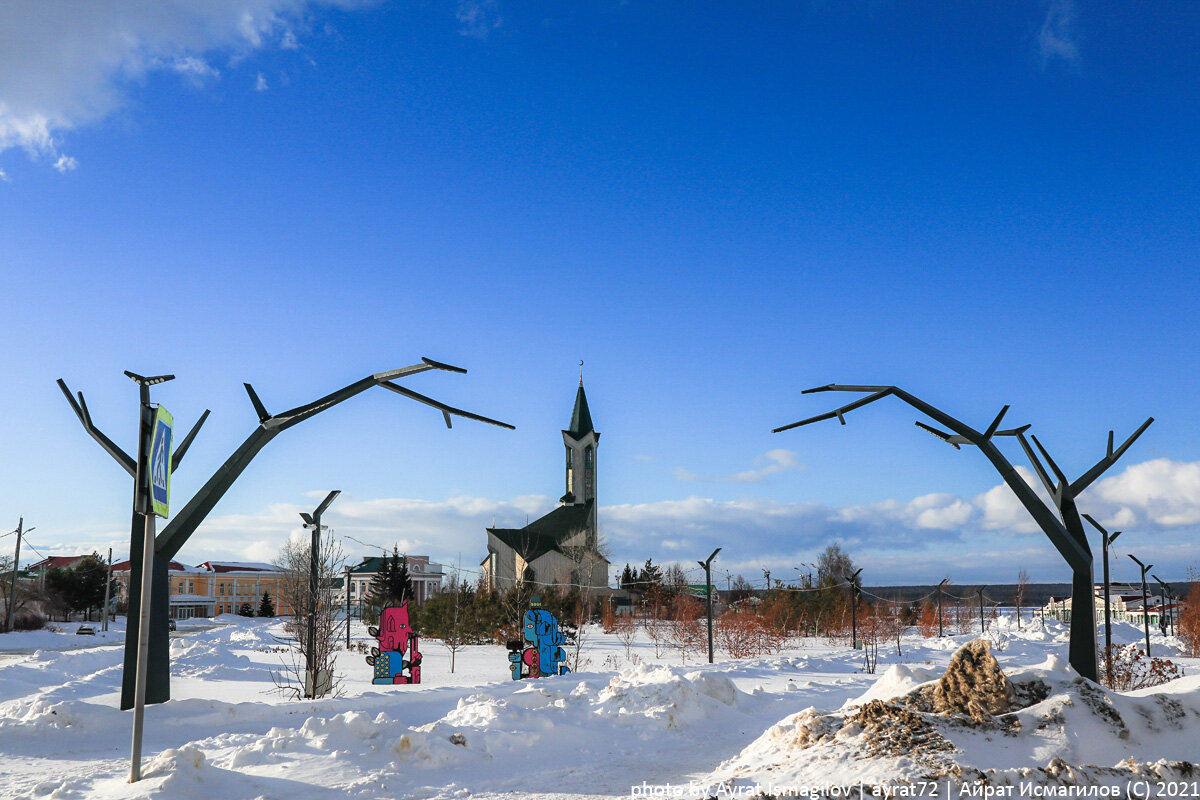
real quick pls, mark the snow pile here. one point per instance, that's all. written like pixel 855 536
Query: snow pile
pixel 1042 724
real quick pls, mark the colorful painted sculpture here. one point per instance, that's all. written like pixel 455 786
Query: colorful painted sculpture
pixel 540 654
pixel 396 640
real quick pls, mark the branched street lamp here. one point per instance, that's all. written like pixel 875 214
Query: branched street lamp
pixel 1145 601
pixel 176 533
pixel 1065 530
pixel 1106 540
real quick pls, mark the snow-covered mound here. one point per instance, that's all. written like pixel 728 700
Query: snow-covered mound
pixel 1042 724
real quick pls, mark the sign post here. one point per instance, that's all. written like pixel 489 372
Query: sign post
pixel 153 482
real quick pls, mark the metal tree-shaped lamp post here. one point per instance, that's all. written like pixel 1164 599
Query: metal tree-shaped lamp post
pixel 707 564
pixel 1065 530
pixel 1106 540
pixel 1165 617
pixel 1145 601
pixel 184 524
pixel 314 558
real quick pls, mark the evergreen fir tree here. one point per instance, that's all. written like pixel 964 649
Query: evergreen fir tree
pixel 628 578
pixel 377 592
pixel 266 608
pixel 400 586
pixel 246 610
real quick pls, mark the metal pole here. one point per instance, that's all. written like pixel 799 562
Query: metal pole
pixel 707 564
pixel 982 627
pixel 854 609
pixel 107 589
pixel 12 590
pixel 143 635
pixel 939 590
pixel 1145 602
pixel 347 608
pixel 310 656
pixel 1108 540
pixel 311 664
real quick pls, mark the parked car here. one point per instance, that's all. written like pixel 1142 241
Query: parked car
pixel 171 625
pixel 85 630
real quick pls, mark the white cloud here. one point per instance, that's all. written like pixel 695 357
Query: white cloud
pixel 260 83
pixel 1057 37
pixel 478 18
pixel 1156 503
pixel 4 176
pixel 65 65
pixel 770 463
pixel 65 164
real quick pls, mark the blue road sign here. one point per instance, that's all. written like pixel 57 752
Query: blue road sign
pixel 160 462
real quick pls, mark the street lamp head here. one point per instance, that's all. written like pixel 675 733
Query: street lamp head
pixel 151 381
pixel 308 520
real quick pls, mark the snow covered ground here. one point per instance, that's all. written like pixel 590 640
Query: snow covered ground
pixel 640 726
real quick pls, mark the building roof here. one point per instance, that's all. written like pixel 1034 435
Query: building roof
pixel 172 566
pixel 237 566
pixel 55 562
pixel 418 566
pixel 546 533
pixel 581 416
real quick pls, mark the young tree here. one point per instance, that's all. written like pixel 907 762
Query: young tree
pixel 295 591
pixel 266 607
pixel 246 610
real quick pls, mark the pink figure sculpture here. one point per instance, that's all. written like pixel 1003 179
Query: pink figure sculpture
pixel 396 639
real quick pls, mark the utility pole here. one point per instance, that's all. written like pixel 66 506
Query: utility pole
pixel 939 591
pixel 12 589
pixel 310 657
pixel 1145 601
pixel 767 575
pixel 707 564
pixel 107 590
pixel 852 579
pixel 982 626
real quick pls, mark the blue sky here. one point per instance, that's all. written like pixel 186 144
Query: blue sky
pixel 715 205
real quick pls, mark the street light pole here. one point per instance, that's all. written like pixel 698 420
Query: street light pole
pixel 1107 540
pixel 1165 616
pixel 707 564
pixel 347 608
pixel 310 657
pixel 1145 601
pixel 107 588
pixel 982 626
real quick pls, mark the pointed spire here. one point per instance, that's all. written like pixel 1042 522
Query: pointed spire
pixel 581 417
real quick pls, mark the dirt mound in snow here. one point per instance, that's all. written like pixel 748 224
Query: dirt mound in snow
pixel 894 731
pixel 973 684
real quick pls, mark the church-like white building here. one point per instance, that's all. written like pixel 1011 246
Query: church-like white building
pixel 561 547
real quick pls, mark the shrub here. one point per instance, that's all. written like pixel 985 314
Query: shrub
pixel 1131 669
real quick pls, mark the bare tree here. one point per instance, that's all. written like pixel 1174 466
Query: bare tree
pixel 294 592
pixel 584 561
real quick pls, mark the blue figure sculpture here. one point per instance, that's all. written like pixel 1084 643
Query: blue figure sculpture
pixel 540 654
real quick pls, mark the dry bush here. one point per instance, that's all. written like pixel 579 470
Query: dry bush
pixel 746 635
pixel 1188 624
pixel 685 631
pixel 1130 669
pixel 608 617
pixel 624 628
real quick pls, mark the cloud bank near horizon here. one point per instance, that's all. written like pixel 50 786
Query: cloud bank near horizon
pixel 983 538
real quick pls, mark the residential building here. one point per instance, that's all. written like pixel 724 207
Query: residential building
pixel 212 588
pixel 426 579
pixel 562 546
